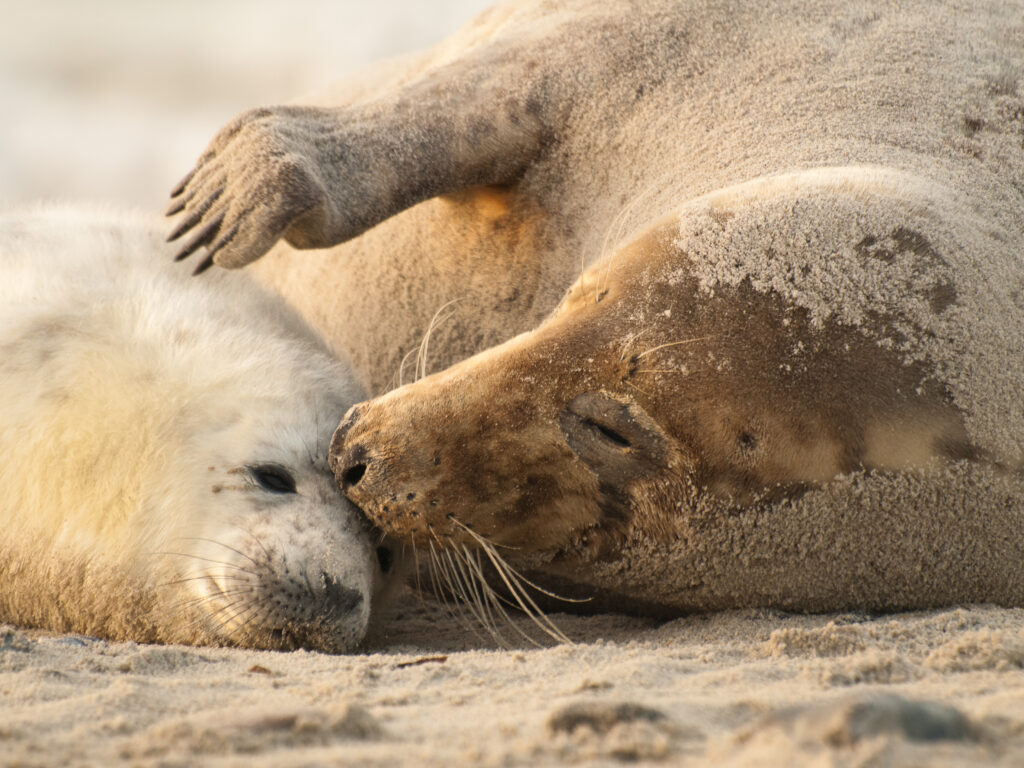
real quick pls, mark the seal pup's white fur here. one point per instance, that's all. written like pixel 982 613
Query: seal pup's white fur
pixel 151 427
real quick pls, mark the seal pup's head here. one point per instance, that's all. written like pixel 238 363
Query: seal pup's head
pixel 164 443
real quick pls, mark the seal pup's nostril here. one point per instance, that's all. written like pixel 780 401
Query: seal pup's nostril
pixel 340 600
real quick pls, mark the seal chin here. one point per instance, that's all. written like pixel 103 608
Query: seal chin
pixel 273 605
pixel 271 582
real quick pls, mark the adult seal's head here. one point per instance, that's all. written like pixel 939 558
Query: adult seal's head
pixel 713 420
pixel 164 442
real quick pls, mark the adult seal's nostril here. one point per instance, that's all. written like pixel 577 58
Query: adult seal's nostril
pixel 348 464
pixel 352 415
pixel 351 475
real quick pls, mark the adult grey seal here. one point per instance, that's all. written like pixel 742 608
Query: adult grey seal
pixel 767 257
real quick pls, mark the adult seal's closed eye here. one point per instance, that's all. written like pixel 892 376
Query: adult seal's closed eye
pixel 164 446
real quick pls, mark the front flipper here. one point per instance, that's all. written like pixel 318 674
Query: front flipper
pixel 319 176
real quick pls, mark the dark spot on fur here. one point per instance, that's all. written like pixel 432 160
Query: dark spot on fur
pixel 902 240
pixel 908 240
pixel 866 247
pixel 216 488
pixel 956 448
pixel 534 107
pixel 972 125
pixel 941 297
pixel 625 369
pixel 747 443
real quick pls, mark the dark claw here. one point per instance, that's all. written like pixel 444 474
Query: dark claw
pixel 180 186
pixel 223 240
pixel 184 226
pixel 204 265
pixel 175 206
pixel 201 238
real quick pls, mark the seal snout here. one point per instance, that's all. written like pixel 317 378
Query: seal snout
pixel 349 467
pixel 347 462
pixel 339 601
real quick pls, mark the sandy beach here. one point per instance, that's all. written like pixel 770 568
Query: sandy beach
pixel 112 101
pixel 748 688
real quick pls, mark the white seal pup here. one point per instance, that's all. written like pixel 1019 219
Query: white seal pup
pixel 164 447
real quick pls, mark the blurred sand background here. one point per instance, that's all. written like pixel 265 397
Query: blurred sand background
pixel 112 100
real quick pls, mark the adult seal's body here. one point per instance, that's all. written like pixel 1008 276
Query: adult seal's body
pixel 164 450
pixel 784 241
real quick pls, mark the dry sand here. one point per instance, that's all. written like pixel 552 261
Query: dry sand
pixel 742 688
pixel 113 103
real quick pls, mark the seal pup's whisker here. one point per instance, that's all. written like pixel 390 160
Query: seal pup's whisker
pixel 208 560
pixel 243 618
pixel 205 620
pixel 227 620
pixel 226 546
pixel 194 602
pixel 259 542
pixel 199 578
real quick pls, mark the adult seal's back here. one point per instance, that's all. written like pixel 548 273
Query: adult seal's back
pixel 164 447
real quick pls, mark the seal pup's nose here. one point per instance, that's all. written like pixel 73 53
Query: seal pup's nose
pixel 339 600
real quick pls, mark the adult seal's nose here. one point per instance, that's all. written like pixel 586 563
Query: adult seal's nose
pixel 348 463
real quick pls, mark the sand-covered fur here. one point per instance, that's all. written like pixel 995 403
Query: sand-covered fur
pixel 788 365
pixel 164 446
